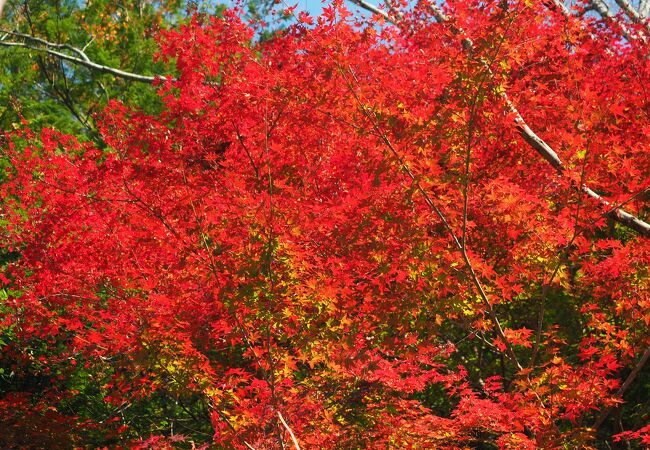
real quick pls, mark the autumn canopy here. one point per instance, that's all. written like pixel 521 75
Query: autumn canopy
pixel 424 229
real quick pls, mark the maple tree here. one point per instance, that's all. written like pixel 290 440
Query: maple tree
pixel 427 233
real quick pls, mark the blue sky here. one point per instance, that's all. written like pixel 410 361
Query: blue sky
pixel 313 7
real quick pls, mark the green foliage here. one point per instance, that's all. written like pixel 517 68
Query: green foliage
pixel 50 92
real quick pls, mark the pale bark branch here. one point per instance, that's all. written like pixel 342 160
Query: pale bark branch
pixel 557 4
pixel 373 9
pixel 394 11
pixel 286 425
pixel 619 215
pixel 603 10
pixel 630 11
pixel 633 14
pixel 644 8
pixel 531 138
pixel 29 42
pixel 537 143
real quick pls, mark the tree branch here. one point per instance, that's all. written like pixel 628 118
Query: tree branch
pixel 370 115
pixel 286 425
pixel 618 214
pixel 373 9
pixel 55 49
pixel 644 8
pixel 531 138
pixel 603 10
pixel 633 14
pixel 557 4
pixel 539 145
pixel 626 384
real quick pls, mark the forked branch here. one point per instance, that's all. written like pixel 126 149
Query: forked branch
pixel 67 53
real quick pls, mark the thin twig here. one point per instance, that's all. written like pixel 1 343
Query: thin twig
pixel 427 198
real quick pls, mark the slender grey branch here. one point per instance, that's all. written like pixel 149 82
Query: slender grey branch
pixel 88 44
pixel 531 138
pixel 394 11
pixel 630 11
pixel 619 214
pixel 45 43
pixel 602 9
pixel 56 49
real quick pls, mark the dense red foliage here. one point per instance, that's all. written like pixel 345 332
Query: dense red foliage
pixel 279 238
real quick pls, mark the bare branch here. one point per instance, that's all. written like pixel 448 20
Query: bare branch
pixel 619 214
pixel 394 11
pixel 531 138
pixel 537 143
pixel 293 436
pixel 56 49
pixel 633 14
pixel 373 9
pixel 603 10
